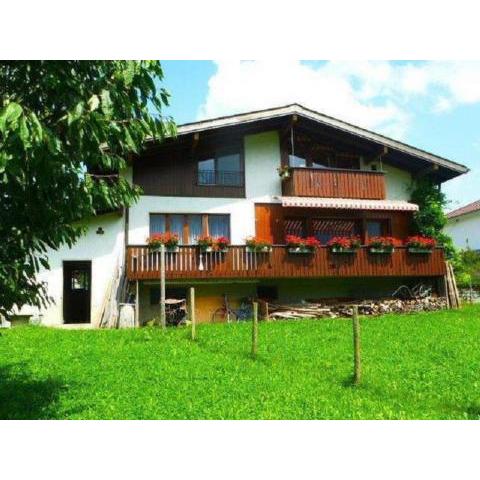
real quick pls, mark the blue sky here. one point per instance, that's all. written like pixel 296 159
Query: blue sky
pixel 431 105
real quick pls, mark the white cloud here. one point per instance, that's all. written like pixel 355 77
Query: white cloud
pixel 377 95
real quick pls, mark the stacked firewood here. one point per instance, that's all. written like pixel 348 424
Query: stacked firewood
pixel 366 307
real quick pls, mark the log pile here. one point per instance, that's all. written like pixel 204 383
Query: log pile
pixel 366 307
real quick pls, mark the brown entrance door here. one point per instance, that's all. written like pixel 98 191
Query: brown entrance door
pixel 76 291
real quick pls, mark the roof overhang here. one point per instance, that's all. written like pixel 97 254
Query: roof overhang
pixel 339 125
pixel 349 204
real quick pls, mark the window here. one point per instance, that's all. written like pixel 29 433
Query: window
pixel 194 227
pixel 79 280
pixel 309 152
pixel 377 228
pixel 326 229
pixel 294 226
pixel 176 226
pixel 189 227
pixel 206 172
pixel 223 169
pixel 219 225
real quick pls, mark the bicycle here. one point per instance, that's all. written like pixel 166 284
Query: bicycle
pixel 418 291
pixel 227 314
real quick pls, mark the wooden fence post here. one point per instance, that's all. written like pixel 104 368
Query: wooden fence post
pixel 191 311
pixel 255 330
pixel 137 304
pixel 357 361
pixel 163 317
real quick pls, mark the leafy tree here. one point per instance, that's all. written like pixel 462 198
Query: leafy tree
pixel 430 219
pixel 467 268
pixel 66 130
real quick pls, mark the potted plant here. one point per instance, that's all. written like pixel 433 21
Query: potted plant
pixel 382 245
pixel 344 244
pixel 221 244
pixel 255 244
pixel 420 244
pixel 170 240
pixel 301 245
pixel 205 243
pixel 284 171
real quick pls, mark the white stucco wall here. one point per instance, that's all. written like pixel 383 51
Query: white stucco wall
pixel 465 231
pixel 104 251
pixel 262 158
pixel 397 181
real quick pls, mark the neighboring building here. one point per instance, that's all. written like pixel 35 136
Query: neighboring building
pixel 221 177
pixel 464 226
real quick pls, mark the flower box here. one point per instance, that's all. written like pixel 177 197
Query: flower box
pixel 421 251
pixel 381 251
pixel 300 250
pixel 420 244
pixel 344 244
pixel 259 249
pixel 168 249
pixel 205 249
pixel 299 245
pixel 343 250
pixel 257 245
pixel 170 240
pixel 383 245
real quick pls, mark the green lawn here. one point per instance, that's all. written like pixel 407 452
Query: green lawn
pixel 414 366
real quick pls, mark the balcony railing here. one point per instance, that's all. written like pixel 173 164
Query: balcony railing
pixel 220 177
pixel 237 262
pixel 334 183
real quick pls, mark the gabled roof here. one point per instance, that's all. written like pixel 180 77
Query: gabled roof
pixel 454 168
pixel 470 208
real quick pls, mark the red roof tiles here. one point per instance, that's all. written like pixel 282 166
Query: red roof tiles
pixel 471 207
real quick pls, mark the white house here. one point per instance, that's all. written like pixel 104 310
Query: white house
pixel 220 177
pixel 464 226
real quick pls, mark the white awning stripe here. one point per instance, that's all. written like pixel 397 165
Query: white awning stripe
pixel 349 204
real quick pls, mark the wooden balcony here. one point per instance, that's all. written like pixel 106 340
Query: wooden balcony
pixel 238 263
pixel 335 183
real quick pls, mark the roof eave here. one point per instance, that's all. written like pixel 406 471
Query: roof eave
pixel 296 109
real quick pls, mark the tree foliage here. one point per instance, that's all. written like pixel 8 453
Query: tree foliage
pixel 430 220
pixel 66 129
pixel 467 268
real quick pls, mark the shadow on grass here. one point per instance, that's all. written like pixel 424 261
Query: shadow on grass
pixel 22 397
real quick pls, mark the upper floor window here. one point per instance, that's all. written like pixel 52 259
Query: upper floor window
pixel 224 168
pixel 306 151
pixel 188 227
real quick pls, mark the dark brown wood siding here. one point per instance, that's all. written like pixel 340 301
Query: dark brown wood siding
pixel 269 219
pixel 314 182
pixel 172 171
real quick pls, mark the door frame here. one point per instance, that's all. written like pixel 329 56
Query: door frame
pixel 80 264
